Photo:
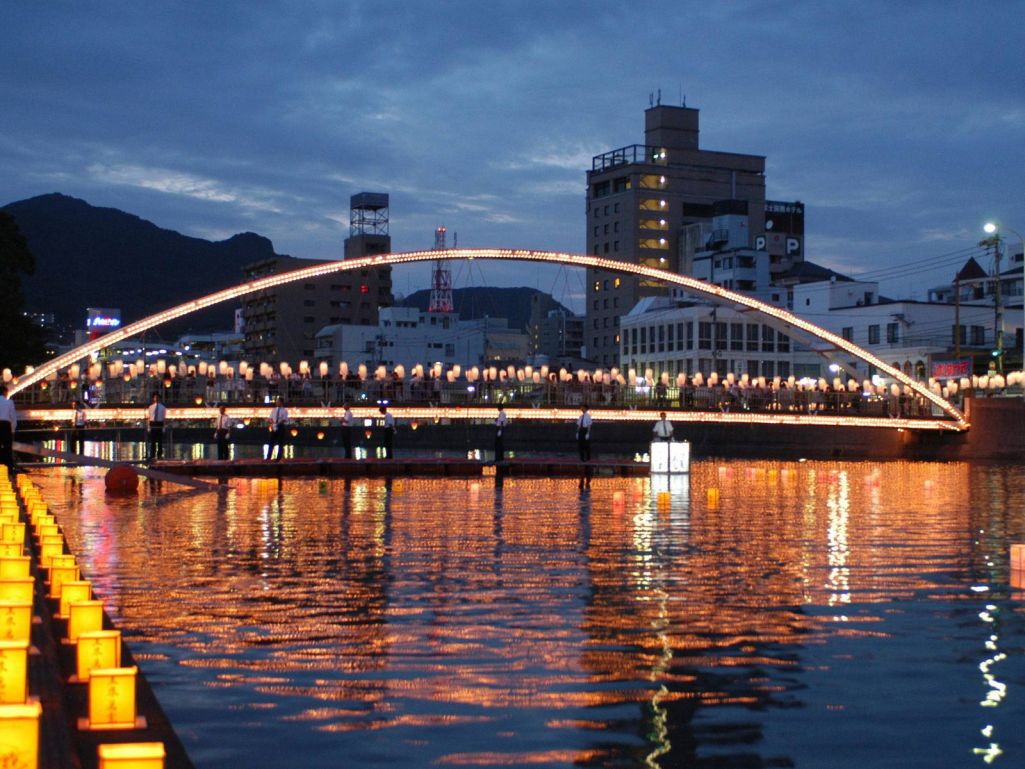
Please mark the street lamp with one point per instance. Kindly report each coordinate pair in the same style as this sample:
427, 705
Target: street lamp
993, 229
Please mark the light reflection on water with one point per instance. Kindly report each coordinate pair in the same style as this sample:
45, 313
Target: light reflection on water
820, 614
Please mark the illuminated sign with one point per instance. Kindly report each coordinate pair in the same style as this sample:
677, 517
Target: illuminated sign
952, 369
102, 318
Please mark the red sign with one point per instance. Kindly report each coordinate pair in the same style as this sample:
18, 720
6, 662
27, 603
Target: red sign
952, 369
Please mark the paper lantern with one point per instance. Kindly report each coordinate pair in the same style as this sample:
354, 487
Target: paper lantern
58, 576
112, 698
72, 591
48, 549
15, 566
84, 617
132, 755
97, 649
17, 589
11, 549
13, 672
1018, 557
12, 532
15, 621
19, 734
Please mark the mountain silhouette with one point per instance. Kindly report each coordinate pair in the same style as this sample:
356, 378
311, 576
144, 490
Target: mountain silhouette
87, 256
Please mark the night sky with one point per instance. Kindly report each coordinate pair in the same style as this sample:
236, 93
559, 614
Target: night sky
900, 125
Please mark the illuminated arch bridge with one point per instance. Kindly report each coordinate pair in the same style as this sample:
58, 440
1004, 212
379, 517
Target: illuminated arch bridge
824, 342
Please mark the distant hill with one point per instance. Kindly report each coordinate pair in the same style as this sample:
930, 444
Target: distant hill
478, 302
102, 257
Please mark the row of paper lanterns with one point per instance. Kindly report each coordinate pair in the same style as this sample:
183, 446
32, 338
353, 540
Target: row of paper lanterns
24, 517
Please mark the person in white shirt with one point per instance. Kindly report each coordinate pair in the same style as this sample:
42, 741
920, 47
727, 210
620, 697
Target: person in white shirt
278, 421
501, 422
347, 431
155, 416
584, 434
221, 433
663, 429
8, 427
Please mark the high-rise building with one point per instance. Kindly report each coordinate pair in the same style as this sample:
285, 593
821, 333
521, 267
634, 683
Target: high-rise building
280, 324
641, 199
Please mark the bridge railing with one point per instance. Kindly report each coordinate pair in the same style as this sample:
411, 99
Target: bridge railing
313, 391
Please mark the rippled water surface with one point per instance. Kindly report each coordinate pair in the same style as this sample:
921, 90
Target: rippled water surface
815, 615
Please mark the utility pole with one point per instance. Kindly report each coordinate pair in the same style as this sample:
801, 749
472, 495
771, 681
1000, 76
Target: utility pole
998, 304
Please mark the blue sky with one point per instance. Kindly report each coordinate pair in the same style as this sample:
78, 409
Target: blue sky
900, 125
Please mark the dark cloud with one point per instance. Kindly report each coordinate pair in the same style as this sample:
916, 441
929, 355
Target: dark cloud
898, 124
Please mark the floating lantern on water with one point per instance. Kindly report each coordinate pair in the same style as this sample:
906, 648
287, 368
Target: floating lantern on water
112, 698
1018, 557
713, 497
294, 431
320, 435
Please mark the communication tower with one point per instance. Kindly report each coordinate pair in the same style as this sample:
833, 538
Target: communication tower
441, 279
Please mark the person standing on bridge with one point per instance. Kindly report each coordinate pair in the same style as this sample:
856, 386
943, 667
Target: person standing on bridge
155, 415
389, 432
8, 427
347, 431
78, 429
584, 434
501, 422
222, 432
663, 429
278, 422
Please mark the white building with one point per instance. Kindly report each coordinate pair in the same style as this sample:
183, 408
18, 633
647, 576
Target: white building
408, 336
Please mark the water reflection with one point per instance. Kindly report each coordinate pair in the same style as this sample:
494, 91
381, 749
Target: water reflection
632, 623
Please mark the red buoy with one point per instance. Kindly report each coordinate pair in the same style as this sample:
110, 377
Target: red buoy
122, 479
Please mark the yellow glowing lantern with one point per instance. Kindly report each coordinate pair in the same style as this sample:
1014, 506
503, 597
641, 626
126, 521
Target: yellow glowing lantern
47, 550
48, 529
11, 549
65, 559
294, 432
97, 649
12, 532
73, 591
13, 672
84, 617
132, 755
42, 519
112, 698
58, 576
713, 497
15, 621
19, 734
15, 566
1018, 557
320, 435
17, 589
199, 400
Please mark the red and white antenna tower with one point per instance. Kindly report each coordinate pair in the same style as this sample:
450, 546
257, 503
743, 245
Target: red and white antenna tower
441, 279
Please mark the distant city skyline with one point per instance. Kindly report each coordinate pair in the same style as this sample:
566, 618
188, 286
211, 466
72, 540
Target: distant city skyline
901, 127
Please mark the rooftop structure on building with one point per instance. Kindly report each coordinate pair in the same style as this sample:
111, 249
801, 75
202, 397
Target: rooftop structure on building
280, 323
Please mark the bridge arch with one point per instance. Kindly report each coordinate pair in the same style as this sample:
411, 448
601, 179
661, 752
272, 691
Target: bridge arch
774, 314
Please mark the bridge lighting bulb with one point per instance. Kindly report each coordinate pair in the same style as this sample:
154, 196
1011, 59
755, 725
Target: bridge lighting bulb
990, 228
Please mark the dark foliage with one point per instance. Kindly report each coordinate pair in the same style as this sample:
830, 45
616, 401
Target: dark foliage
21, 340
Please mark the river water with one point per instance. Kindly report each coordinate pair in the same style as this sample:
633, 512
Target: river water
814, 614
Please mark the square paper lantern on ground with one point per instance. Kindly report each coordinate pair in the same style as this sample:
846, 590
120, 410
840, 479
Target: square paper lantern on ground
11, 548
17, 589
15, 566
12, 532
84, 617
111, 699
15, 622
13, 672
58, 576
19, 734
47, 550
132, 755
73, 591
97, 649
